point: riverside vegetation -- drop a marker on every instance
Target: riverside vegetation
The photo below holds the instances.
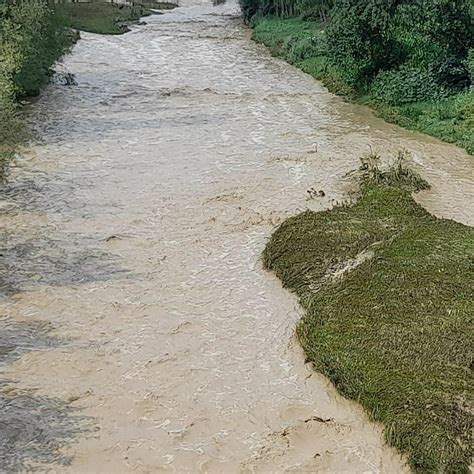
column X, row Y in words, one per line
column 33, row 36
column 412, row 61
column 108, row 18
column 388, row 299
column 102, row 18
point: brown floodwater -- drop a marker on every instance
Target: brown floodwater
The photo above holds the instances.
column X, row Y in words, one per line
column 139, row 331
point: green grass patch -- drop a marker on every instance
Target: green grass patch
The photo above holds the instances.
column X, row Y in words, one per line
column 156, row 5
column 102, row 18
column 388, row 298
column 450, row 119
column 303, row 44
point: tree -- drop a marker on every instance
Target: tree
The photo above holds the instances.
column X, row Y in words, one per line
column 369, row 36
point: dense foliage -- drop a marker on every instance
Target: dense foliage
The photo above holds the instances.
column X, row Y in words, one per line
column 407, row 50
column 421, row 45
column 32, row 38
column 394, row 53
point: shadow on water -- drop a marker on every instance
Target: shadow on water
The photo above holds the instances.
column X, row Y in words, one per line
column 5, row 159
column 38, row 254
column 33, row 428
column 17, row 338
column 41, row 193
column 27, row 264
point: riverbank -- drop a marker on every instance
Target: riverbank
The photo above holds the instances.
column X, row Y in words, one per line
column 387, row 294
column 303, row 44
column 106, row 18
column 34, row 37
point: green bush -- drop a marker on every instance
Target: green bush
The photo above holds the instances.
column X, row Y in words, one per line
column 32, row 38
column 366, row 37
column 297, row 49
column 316, row 9
column 358, row 41
column 406, row 85
column 281, row 8
column 470, row 65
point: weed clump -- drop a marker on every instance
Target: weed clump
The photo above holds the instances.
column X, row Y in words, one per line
column 396, row 174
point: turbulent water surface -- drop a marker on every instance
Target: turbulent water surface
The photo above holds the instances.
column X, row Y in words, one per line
column 138, row 329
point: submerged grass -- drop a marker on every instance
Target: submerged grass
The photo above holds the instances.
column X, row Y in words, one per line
column 395, row 331
column 102, row 18
column 303, row 43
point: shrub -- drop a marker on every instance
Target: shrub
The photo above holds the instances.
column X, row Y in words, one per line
column 358, row 41
column 366, row 37
column 32, row 38
column 470, row 65
column 316, row 9
column 406, row 85
column 297, row 49
column 281, row 8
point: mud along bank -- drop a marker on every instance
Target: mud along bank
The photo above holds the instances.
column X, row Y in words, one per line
column 134, row 234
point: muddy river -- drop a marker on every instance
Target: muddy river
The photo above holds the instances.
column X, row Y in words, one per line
column 138, row 331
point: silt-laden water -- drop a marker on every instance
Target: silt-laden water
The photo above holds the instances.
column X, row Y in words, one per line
column 138, row 330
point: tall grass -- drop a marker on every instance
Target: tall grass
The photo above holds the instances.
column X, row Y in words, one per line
column 396, row 173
